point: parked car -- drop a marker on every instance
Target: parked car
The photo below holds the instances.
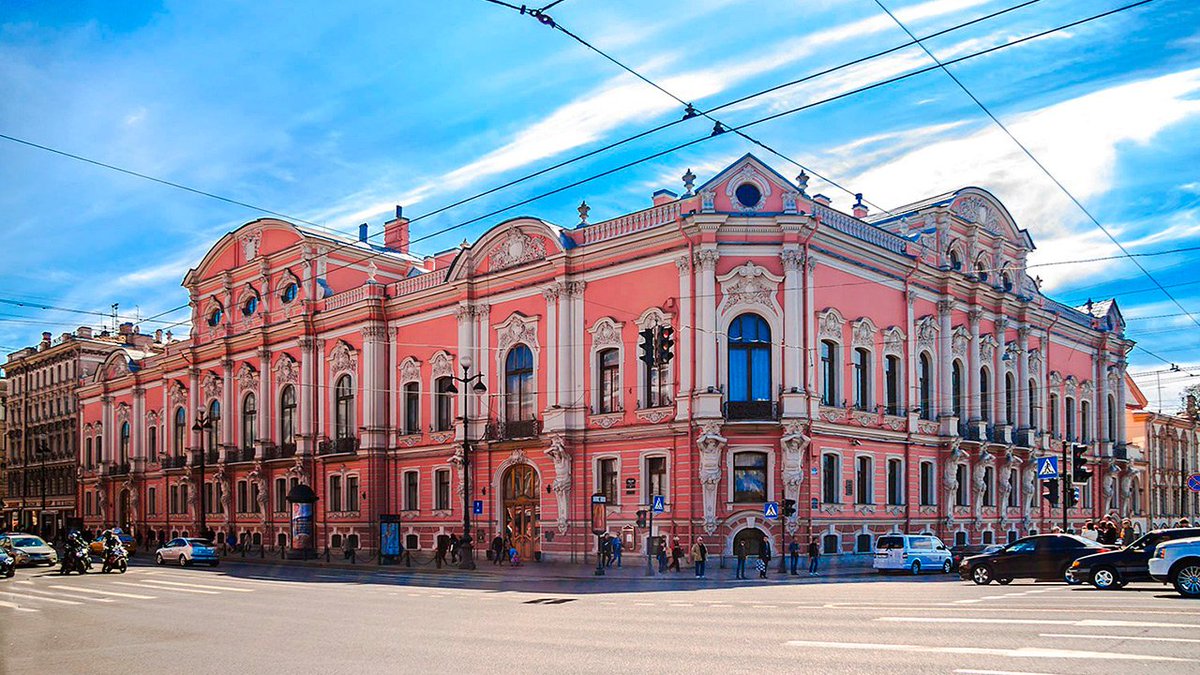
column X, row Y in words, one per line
column 184, row 552
column 911, row 552
column 1042, row 556
column 36, row 550
column 1114, row 569
column 957, row 553
column 127, row 542
column 20, row 558
column 1178, row 563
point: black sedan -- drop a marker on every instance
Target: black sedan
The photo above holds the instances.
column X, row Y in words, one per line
column 1043, row 556
column 1114, row 569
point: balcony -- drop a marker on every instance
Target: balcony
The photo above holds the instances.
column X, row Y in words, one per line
column 749, row 411
column 239, row 455
column 210, row 457
column 174, row 462
column 513, row 430
column 1120, row 451
column 118, row 469
column 1027, row 438
column 338, row 446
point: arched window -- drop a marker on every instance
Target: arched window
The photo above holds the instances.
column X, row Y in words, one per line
column 1052, row 409
column 864, row 481
column 981, row 269
column 214, row 431
column 956, row 389
column 1112, row 419
column 749, row 477
column 1033, row 404
column 608, row 374
column 895, row 482
column 829, row 373
column 891, row 384
column 249, row 421
column 287, row 416
column 1010, row 398
column 152, row 442
column 1070, row 411
column 343, row 414
column 87, row 453
column 518, row 384
column 955, row 260
column 925, row 386
column 960, row 494
column 123, row 457
column 445, row 403
column 830, row 477
column 862, row 378
column 1006, row 281
column 180, row 431
column 989, row 483
column 749, row 359
column 412, row 408
column 985, row 394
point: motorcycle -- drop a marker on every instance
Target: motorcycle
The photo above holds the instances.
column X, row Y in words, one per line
column 115, row 558
column 76, row 558
column 8, row 564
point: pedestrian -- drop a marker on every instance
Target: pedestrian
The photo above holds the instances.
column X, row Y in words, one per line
column 1127, row 534
column 453, row 549
column 1183, row 522
column 497, row 549
column 617, row 546
column 1109, row 534
column 606, row 550
column 739, row 550
column 676, row 555
column 514, row 557
column 1089, row 531
column 439, row 552
column 794, row 552
column 348, row 549
column 1056, row 530
column 764, row 558
column 661, row 553
column 699, row 556
column 814, row 554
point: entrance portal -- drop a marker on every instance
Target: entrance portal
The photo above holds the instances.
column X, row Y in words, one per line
column 753, row 538
column 522, row 508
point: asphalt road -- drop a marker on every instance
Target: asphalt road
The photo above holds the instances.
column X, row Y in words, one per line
column 243, row 618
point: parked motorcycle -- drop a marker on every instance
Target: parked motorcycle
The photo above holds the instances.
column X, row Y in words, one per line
column 115, row 558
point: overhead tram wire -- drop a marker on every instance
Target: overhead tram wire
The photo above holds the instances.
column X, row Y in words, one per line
column 1040, row 165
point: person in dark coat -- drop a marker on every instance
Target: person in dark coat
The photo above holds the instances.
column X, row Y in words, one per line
column 764, row 558
column 814, row 555
column 794, row 553
column 498, row 550
column 739, row 550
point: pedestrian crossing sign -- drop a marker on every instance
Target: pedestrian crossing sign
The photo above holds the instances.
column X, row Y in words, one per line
column 477, row 507
column 660, row 504
column 1047, row 468
column 771, row 509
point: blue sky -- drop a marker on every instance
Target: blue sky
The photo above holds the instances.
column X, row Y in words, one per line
column 333, row 112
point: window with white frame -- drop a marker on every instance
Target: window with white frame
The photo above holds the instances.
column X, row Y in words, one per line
column 928, row 484
column 412, row 480
column 441, row 489
column 444, row 414
column 831, row 476
column 412, row 408
column 656, row 477
column 335, row 493
column 829, row 373
column 249, row 421
column 344, row 408
column 606, row 474
column 985, row 394
column 518, row 384
column 891, row 384
column 280, row 495
column 864, row 478
column 749, row 477
column 961, row 492
column 989, row 485
column 862, row 378
column 352, row 493
column 608, row 375
column 895, row 478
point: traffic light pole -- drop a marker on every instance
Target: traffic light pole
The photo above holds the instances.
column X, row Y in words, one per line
column 649, row 535
column 1066, row 487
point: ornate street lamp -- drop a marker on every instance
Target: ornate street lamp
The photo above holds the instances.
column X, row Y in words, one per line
column 203, row 424
column 43, row 451
column 466, row 559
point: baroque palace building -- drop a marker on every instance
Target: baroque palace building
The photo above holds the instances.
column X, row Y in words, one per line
column 1170, row 447
column 897, row 372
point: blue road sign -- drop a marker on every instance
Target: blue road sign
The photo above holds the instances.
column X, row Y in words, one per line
column 771, row 509
column 815, row 503
column 1047, row 468
column 477, row 507
column 660, row 504
column 1194, row 482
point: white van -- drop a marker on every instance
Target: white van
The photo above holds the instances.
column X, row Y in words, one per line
column 915, row 553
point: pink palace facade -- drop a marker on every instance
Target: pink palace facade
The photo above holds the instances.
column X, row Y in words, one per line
column 888, row 373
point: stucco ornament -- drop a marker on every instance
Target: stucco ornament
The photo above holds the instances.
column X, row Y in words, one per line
column 862, row 333
column 441, row 364
column 1005, row 486
column 750, row 285
column 250, row 243
column 1127, row 481
column 606, row 333
column 830, row 324
column 974, row 209
column 285, row 370
column 134, row 503
column 410, row 370
column 456, row 460
column 893, row 342
column 927, row 332
column 256, row 477
column 1028, row 482
column 517, row 248
column 178, row 395
column 561, row 486
column 211, row 386
column 516, row 329
column 247, row 378
column 298, row 471
column 123, row 413
column 748, row 174
column 343, row 359
column 979, row 477
column 960, row 341
column 950, row 475
column 793, row 443
column 710, row 443
column 101, row 502
column 221, row 479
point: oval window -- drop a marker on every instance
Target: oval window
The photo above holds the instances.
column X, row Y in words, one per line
column 290, row 293
column 251, row 306
column 748, row 195
column 214, row 317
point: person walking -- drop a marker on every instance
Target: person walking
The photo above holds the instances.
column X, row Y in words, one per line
column 439, row 553
column 453, row 546
column 497, row 549
column 616, row 551
column 1127, row 534
column 814, row 555
column 739, row 550
column 699, row 556
column 794, row 553
column 764, row 558
column 661, row 554
column 1089, row 531
column 606, row 550
column 676, row 555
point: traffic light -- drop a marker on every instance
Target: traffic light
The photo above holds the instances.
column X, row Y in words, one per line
column 647, row 346
column 666, row 344
column 1050, row 491
column 789, row 508
column 1072, row 497
column 641, row 518
column 1079, row 471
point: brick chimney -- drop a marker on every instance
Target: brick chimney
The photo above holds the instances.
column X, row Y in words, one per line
column 664, row 197
column 395, row 232
column 45, row 340
column 822, row 199
column 860, row 209
column 83, row 332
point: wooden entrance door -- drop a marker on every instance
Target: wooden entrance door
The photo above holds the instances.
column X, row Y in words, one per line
column 521, row 509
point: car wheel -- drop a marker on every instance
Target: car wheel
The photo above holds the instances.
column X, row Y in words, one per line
column 1105, row 579
column 183, row 561
column 947, row 567
column 158, row 559
column 916, row 567
column 1005, row 581
column 1066, row 577
column 1186, row 579
column 982, row 575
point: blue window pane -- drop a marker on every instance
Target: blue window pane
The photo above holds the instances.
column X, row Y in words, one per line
column 739, row 380
column 760, row 377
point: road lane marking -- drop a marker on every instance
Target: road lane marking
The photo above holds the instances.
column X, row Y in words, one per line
column 72, row 596
column 37, row 598
column 132, row 596
column 968, row 671
column 13, row 605
column 1019, row 652
column 177, row 590
column 1110, row 623
column 209, row 587
column 1117, row 637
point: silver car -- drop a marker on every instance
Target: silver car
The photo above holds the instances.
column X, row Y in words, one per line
column 185, row 551
column 35, row 549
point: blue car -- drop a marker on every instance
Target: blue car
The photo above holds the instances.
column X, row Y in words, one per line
column 185, row 551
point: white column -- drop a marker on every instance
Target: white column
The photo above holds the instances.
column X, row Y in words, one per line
column 792, row 311
column 466, row 347
column 137, row 423
column 193, row 406
column 944, row 357
column 230, row 410
column 305, row 423
column 1102, row 401
column 551, row 293
column 578, row 362
column 707, row 259
column 1120, row 366
column 1023, row 401
column 685, row 336
column 266, row 402
column 374, row 392
column 973, row 364
column 110, row 432
column 483, row 317
column 999, row 374
column 810, row 327
column 912, row 397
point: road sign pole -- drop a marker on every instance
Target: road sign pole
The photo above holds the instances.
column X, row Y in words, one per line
column 1065, row 472
column 649, row 536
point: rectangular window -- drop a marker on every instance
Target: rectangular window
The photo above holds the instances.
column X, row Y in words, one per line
column 750, row 477
column 656, row 477
column 960, row 494
column 412, row 408
column 657, row 389
column 173, row 499
column 208, row 497
column 87, row 503
column 1013, row 481
column 335, row 493
column 829, row 373
column 280, row 495
column 411, row 482
column 152, row 501
column 608, row 373
column 891, row 381
column 830, row 477
column 862, row 378
column 445, row 404
column 864, row 494
column 989, row 481
column 254, row 496
column 1070, row 426
column 441, row 484
column 242, row 497
column 608, row 479
column 895, row 482
column 352, row 493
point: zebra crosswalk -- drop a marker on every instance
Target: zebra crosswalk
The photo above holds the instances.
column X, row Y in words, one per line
column 50, row 591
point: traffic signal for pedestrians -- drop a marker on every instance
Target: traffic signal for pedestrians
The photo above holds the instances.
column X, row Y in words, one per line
column 789, row 508
column 1050, row 491
column 647, row 346
column 666, row 343
column 1079, row 470
column 1072, row 497
column 641, row 518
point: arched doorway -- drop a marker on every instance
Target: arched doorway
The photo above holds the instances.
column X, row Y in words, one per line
column 522, row 508
column 754, row 541
column 123, row 510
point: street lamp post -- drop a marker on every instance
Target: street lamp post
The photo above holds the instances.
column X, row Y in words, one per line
column 203, row 424
column 466, row 552
column 43, row 451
